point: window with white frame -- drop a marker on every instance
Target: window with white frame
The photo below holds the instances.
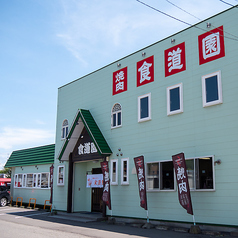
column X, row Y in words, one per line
column 125, row 171
column 60, row 175
column 211, row 89
column 29, row 180
column 200, row 173
column 65, row 129
column 16, row 180
column 144, row 107
column 45, row 180
column 114, row 172
column 36, row 180
column 175, row 99
column 160, row 176
column 116, row 116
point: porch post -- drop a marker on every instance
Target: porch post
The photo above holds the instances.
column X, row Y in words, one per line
column 70, row 184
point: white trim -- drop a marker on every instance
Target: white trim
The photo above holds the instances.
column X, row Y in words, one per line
column 180, row 110
column 116, row 179
column 204, row 96
column 149, row 107
column 127, row 172
column 63, row 175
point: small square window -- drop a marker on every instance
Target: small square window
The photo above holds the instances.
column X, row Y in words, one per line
column 125, row 171
column 211, row 89
column 144, row 107
column 175, row 99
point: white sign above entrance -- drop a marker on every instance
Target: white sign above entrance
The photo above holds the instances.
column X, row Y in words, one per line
column 95, row 181
column 87, row 148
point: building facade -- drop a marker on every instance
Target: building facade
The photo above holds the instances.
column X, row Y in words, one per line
column 177, row 95
column 30, row 177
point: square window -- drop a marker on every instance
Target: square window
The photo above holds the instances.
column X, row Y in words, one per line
column 125, row 171
column 144, row 107
column 160, row 176
column 175, row 99
column 200, row 172
column 211, row 89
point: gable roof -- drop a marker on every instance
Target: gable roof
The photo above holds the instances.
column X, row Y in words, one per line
column 32, row 156
column 85, row 118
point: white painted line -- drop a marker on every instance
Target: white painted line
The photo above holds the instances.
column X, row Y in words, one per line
column 35, row 214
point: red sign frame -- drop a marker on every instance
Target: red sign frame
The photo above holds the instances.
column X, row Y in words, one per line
column 174, row 59
column 211, row 45
column 145, row 71
column 119, row 81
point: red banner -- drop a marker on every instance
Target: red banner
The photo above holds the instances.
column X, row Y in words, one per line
column 140, row 169
column 51, row 182
column 182, row 182
column 106, row 191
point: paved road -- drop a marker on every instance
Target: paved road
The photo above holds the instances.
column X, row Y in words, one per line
column 24, row 223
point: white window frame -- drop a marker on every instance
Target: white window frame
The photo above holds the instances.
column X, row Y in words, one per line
column 160, row 175
column 180, row 110
column 38, row 176
column 32, row 180
column 213, row 174
column 16, row 181
column 116, row 175
column 116, row 113
column 219, row 85
column 62, row 175
column 24, row 180
column 48, row 180
column 65, row 130
column 149, row 107
column 122, row 172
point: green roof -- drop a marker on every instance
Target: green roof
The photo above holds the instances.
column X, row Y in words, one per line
column 32, row 156
column 93, row 130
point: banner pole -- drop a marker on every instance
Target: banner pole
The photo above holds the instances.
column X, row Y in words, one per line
column 194, row 221
column 148, row 217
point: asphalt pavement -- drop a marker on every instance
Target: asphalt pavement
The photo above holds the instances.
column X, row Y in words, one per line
column 22, row 222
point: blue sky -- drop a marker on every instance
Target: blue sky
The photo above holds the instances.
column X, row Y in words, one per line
column 45, row 44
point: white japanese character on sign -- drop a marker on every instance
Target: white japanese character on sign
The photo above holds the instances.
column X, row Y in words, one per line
column 175, row 58
column 144, row 72
column 93, row 148
column 87, row 148
column 142, row 185
column 120, row 76
column 106, row 176
column 140, row 173
column 211, row 45
column 180, row 173
column 119, row 86
column 182, row 187
column 80, row 149
column 106, row 188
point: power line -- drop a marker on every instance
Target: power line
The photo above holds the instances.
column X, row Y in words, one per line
column 177, row 19
column 197, row 17
column 226, row 3
column 183, row 10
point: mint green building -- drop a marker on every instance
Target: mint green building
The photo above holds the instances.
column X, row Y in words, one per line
column 30, row 177
column 177, row 95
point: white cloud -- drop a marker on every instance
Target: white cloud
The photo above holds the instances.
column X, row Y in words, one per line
column 21, row 137
column 99, row 32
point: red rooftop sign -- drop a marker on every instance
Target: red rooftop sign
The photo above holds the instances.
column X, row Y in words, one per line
column 211, row 45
